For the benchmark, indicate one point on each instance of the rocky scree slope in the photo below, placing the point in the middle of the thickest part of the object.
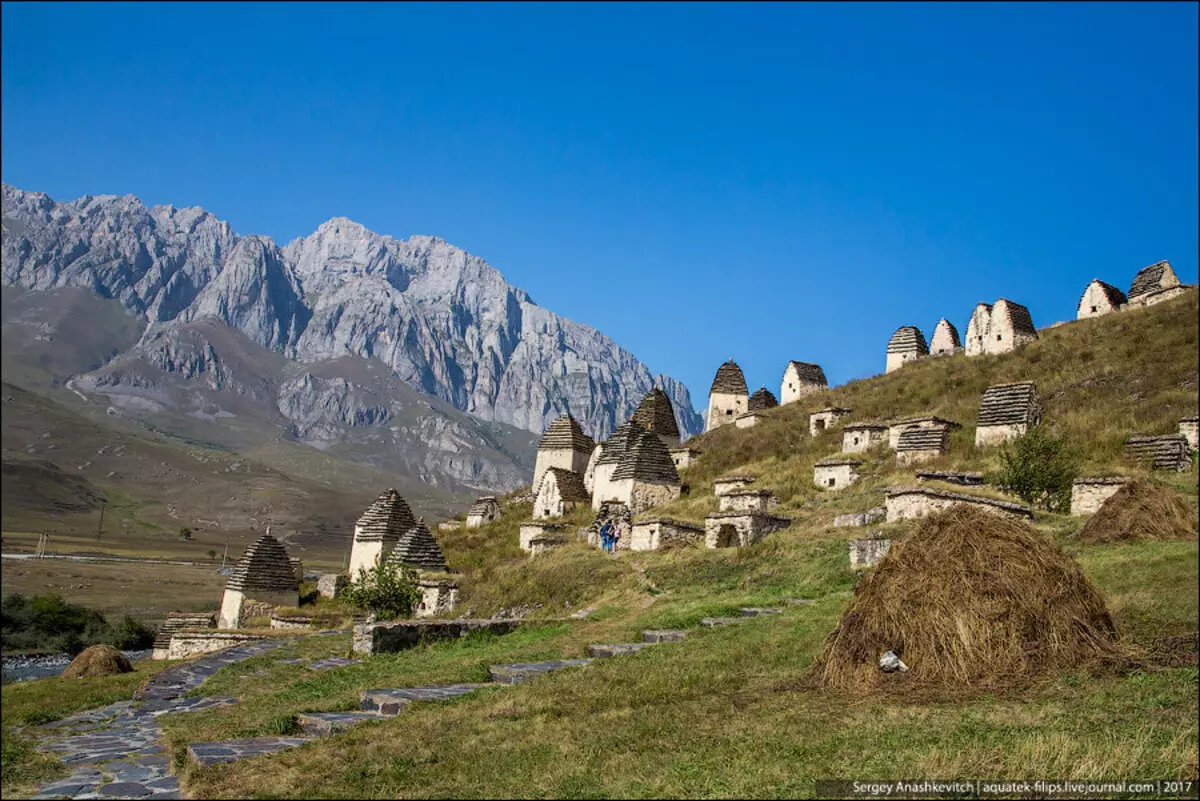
(440, 319)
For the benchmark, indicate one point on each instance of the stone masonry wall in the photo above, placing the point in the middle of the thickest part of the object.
(1088, 497)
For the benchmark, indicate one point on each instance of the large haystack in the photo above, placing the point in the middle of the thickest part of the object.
(971, 600)
(97, 660)
(1141, 510)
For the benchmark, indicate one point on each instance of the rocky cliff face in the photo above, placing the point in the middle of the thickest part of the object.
(440, 319)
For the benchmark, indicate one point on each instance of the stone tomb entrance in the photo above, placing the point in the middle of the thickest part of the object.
(737, 529)
(661, 533)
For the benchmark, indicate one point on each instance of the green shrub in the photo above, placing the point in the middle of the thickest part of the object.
(1038, 468)
(50, 623)
(388, 590)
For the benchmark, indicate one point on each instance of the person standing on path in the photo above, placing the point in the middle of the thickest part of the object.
(606, 536)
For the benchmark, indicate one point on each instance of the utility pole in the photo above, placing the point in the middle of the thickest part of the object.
(100, 525)
(225, 555)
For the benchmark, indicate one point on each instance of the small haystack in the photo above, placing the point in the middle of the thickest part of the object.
(1141, 511)
(971, 600)
(97, 660)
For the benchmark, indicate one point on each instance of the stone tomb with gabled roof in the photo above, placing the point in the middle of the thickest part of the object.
(1099, 299)
(1154, 284)
(563, 445)
(730, 483)
(897, 428)
(922, 444)
(683, 456)
(906, 345)
(945, 340)
(263, 574)
(484, 510)
(661, 533)
(378, 531)
(560, 492)
(736, 529)
(656, 414)
(823, 419)
(1165, 452)
(861, 437)
(1007, 411)
(800, 379)
(999, 328)
(727, 397)
(645, 477)
(836, 474)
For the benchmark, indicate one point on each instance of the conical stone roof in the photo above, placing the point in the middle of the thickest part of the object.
(418, 549)
(565, 433)
(385, 520)
(908, 339)
(646, 459)
(729, 379)
(655, 413)
(264, 567)
(613, 448)
(761, 399)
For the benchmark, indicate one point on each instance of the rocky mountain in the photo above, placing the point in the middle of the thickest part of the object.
(437, 318)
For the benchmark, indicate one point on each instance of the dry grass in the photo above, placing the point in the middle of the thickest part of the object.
(97, 660)
(970, 600)
(1141, 510)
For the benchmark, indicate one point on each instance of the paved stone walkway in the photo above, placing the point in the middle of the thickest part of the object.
(115, 749)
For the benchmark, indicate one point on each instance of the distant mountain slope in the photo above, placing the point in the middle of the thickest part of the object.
(440, 319)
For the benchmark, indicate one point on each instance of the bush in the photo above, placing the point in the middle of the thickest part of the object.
(388, 590)
(48, 622)
(1038, 468)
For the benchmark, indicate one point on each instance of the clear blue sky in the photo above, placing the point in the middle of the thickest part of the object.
(767, 182)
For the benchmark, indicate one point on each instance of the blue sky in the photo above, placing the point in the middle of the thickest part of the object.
(699, 181)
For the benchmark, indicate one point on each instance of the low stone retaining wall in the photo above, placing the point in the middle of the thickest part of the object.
(291, 621)
(868, 553)
(389, 638)
(1089, 494)
(189, 643)
(857, 520)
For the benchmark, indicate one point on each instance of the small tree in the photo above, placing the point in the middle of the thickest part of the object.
(185, 533)
(388, 590)
(212, 556)
(1039, 468)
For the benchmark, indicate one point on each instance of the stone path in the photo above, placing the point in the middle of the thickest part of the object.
(517, 673)
(233, 750)
(115, 749)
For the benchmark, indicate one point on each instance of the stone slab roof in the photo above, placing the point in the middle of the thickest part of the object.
(565, 434)
(1102, 480)
(417, 548)
(748, 513)
(1018, 317)
(908, 339)
(924, 439)
(807, 371)
(683, 448)
(762, 399)
(655, 413)
(667, 521)
(732, 477)
(1114, 296)
(748, 493)
(646, 459)
(942, 421)
(545, 526)
(834, 409)
(264, 567)
(865, 426)
(177, 621)
(729, 379)
(1166, 452)
(1150, 278)
(613, 448)
(570, 485)
(1192, 419)
(484, 506)
(386, 519)
(1016, 508)
(1010, 404)
(951, 477)
(834, 462)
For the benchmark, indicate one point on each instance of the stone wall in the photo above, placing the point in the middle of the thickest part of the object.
(389, 638)
(748, 420)
(874, 515)
(1189, 427)
(868, 553)
(824, 419)
(904, 503)
(549, 501)
(860, 440)
(684, 457)
(990, 435)
(291, 622)
(745, 501)
(738, 529)
(603, 488)
(897, 360)
(190, 643)
(541, 544)
(723, 407)
(661, 534)
(236, 608)
(330, 585)
(1095, 302)
(1158, 296)
(835, 477)
(640, 496)
(724, 484)
(918, 456)
(531, 530)
(438, 597)
(1088, 494)
(365, 555)
(567, 459)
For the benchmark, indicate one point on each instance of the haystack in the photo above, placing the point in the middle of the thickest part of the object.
(1141, 510)
(97, 660)
(970, 600)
